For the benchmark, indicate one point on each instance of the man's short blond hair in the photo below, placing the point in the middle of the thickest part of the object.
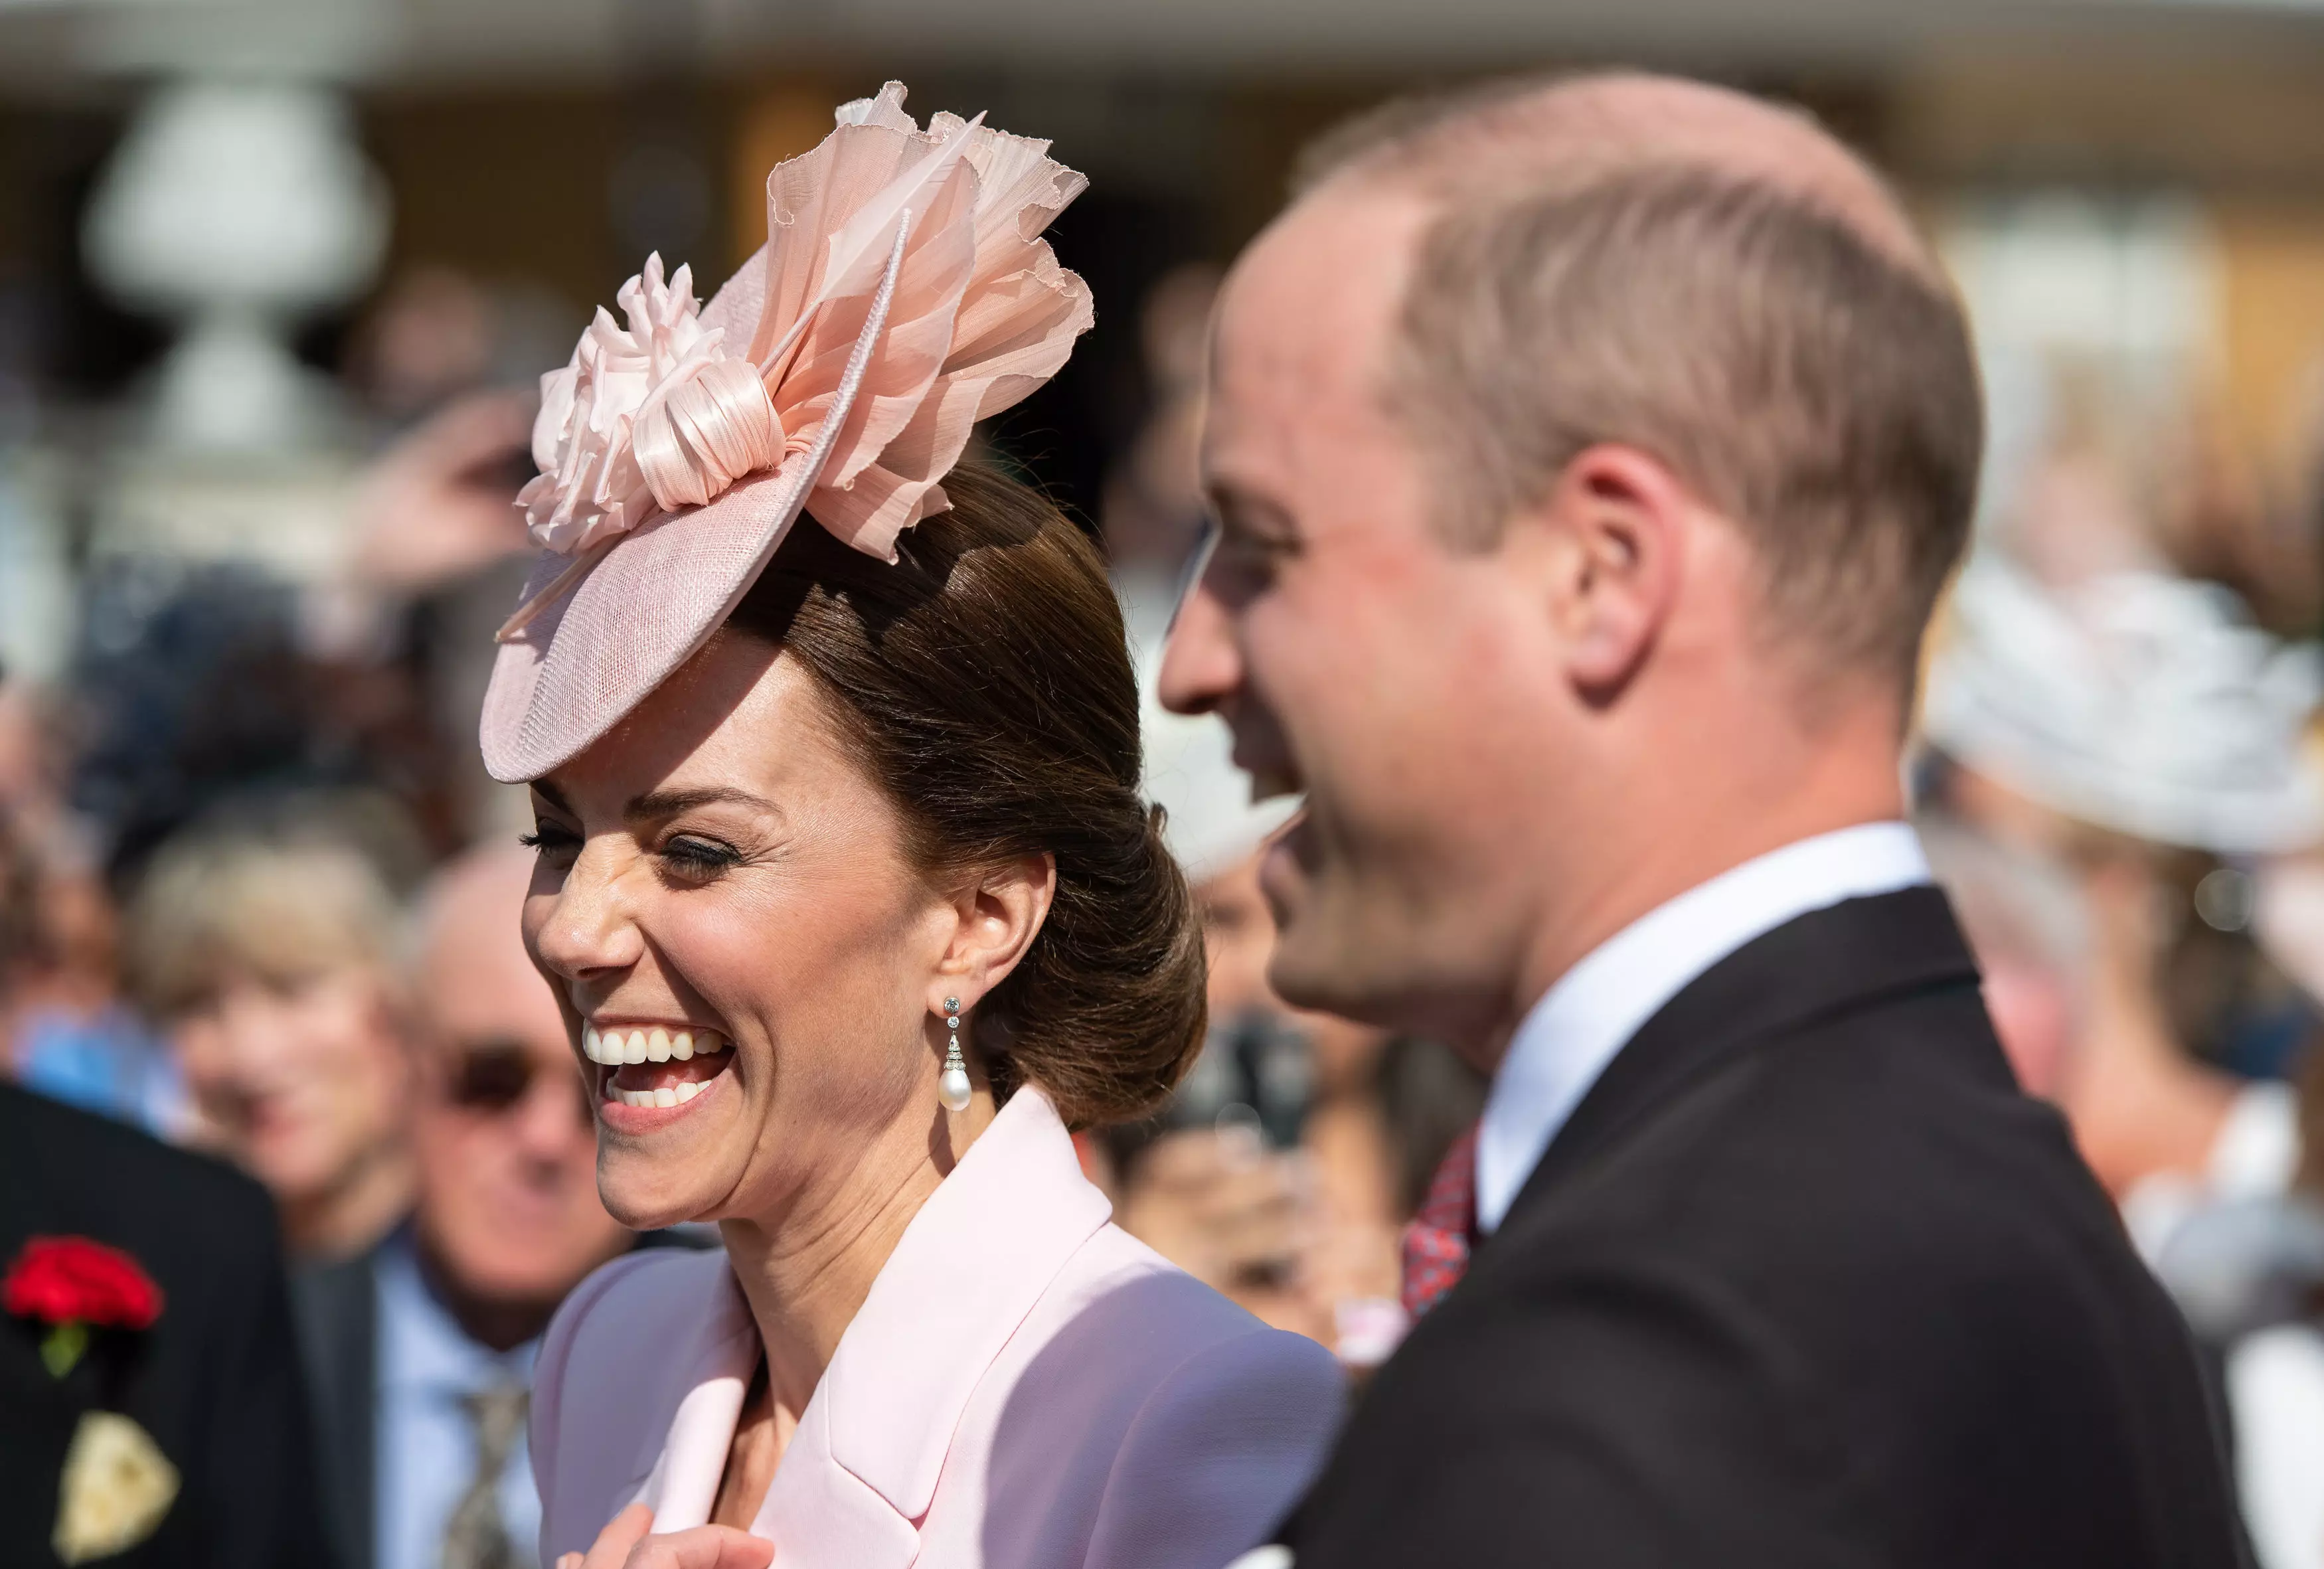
(1762, 319)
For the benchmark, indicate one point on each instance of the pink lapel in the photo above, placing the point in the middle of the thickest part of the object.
(683, 1484)
(864, 1464)
(969, 1269)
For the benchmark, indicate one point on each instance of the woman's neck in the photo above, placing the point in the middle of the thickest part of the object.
(806, 1272)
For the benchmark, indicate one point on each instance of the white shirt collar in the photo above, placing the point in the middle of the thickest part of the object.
(1569, 1036)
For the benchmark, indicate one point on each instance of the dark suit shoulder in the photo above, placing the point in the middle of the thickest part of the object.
(1845, 1292)
(214, 1380)
(1804, 1279)
(79, 1162)
(1888, 1143)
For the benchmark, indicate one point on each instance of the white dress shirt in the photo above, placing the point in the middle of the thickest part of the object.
(1569, 1036)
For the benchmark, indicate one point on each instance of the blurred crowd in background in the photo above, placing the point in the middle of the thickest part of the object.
(267, 345)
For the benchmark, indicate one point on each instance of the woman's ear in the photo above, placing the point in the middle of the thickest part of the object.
(997, 917)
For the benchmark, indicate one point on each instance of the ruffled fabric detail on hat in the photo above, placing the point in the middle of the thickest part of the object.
(647, 417)
(702, 433)
(676, 408)
(982, 314)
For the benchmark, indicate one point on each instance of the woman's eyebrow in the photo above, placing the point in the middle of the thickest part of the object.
(670, 803)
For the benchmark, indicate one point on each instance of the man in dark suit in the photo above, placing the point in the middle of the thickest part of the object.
(213, 1383)
(1588, 458)
(420, 1350)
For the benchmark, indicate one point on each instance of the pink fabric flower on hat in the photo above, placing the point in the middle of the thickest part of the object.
(904, 293)
(649, 418)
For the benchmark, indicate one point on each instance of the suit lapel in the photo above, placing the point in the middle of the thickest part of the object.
(336, 1308)
(1828, 962)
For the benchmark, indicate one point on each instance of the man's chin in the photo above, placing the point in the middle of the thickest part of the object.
(1283, 879)
(1321, 981)
(1314, 965)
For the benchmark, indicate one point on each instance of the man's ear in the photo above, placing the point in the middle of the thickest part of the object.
(1605, 551)
(997, 915)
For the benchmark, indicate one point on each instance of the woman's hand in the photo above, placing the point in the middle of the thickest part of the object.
(624, 1544)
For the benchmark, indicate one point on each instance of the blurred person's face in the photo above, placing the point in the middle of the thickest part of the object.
(82, 927)
(25, 765)
(1238, 940)
(2034, 1016)
(2008, 816)
(302, 1078)
(506, 1140)
(719, 872)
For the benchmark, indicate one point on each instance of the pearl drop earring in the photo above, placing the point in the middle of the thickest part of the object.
(953, 1088)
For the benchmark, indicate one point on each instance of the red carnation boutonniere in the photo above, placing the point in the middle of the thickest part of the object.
(73, 1285)
(116, 1484)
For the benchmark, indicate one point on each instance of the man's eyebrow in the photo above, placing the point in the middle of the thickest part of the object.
(670, 803)
(1244, 514)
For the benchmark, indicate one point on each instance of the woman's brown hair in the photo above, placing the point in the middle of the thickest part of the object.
(984, 680)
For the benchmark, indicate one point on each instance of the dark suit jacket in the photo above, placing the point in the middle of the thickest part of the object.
(1804, 1281)
(336, 1306)
(215, 1381)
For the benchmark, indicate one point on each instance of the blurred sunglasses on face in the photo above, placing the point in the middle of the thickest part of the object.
(492, 1076)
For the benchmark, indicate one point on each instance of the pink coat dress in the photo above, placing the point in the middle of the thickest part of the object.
(1026, 1387)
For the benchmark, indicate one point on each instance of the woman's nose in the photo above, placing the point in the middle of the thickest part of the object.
(587, 929)
(257, 1032)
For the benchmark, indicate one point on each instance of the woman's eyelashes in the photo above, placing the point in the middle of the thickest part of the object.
(697, 859)
(554, 842)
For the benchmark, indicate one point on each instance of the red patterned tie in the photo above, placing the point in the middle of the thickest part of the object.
(1436, 1240)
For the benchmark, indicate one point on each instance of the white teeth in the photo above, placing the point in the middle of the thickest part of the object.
(668, 1095)
(659, 1043)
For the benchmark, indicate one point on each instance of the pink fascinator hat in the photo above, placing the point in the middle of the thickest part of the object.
(904, 293)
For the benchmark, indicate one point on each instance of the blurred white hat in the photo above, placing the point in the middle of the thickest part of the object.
(1212, 824)
(2137, 702)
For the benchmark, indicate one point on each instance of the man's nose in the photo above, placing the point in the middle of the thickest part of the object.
(1200, 664)
(588, 931)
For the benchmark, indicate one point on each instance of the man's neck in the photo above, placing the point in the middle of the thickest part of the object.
(357, 1210)
(1664, 849)
(496, 1323)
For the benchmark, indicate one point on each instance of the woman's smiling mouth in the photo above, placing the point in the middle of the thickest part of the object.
(654, 1066)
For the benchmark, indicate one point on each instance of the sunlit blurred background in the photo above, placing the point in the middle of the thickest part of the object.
(277, 283)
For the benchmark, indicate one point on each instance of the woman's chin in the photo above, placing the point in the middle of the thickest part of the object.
(662, 1162)
(648, 1197)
